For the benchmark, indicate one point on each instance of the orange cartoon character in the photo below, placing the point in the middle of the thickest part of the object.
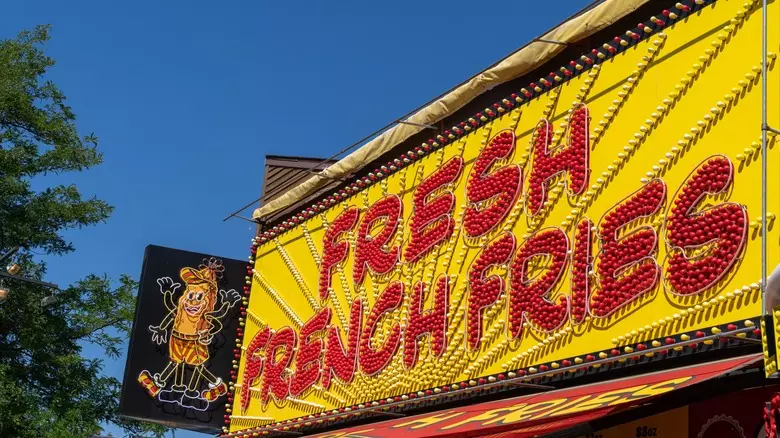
(193, 319)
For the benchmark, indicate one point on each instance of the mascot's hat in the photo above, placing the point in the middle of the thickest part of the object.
(202, 275)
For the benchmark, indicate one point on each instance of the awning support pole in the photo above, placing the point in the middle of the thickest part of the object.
(560, 43)
(737, 338)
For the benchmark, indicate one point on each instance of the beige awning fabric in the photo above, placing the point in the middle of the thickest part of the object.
(515, 65)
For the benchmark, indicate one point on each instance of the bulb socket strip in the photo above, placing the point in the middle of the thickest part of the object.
(574, 68)
(239, 340)
(652, 350)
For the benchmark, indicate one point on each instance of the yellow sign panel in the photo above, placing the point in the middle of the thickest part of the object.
(620, 207)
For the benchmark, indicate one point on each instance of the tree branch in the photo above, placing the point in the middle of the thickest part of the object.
(96, 329)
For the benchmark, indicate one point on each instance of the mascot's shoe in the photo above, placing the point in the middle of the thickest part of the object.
(168, 396)
(149, 384)
(216, 391)
(191, 399)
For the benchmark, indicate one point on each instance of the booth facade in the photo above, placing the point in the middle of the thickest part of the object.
(569, 244)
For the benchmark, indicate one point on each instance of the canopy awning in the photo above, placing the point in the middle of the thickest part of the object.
(547, 412)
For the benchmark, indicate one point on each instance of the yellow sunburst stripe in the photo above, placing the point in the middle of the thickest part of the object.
(288, 312)
(383, 185)
(326, 394)
(456, 318)
(343, 386)
(592, 193)
(455, 369)
(344, 283)
(245, 422)
(296, 275)
(341, 390)
(559, 134)
(437, 366)
(337, 307)
(310, 243)
(305, 402)
(477, 364)
(377, 386)
(343, 276)
(752, 75)
(290, 398)
(252, 316)
(250, 417)
(609, 116)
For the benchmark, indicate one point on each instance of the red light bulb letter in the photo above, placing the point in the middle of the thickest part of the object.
(484, 291)
(720, 230)
(373, 252)
(274, 380)
(530, 298)
(373, 361)
(339, 361)
(307, 362)
(431, 221)
(500, 188)
(548, 164)
(626, 266)
(427, 322)
(334, 250)
(253, 366)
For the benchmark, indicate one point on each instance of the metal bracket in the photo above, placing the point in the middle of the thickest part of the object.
(770, 129)
(29, 280)
(254, 221)
(542, 40)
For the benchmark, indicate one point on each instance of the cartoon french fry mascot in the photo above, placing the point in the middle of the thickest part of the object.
(193, 319)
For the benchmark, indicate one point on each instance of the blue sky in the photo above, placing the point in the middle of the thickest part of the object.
(188, 97)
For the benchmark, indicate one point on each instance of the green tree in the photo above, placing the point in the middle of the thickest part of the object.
(47, 387)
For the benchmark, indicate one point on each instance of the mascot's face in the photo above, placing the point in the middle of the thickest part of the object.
(195, 300)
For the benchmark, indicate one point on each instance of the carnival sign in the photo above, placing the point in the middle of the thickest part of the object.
(603, 210)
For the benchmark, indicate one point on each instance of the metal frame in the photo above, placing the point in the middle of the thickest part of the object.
(419, 125)
(29, 280)
(4, 274)
(764, 129)
(9, 254)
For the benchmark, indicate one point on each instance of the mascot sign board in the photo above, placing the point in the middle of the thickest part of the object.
(178, 364)
(609, 208)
